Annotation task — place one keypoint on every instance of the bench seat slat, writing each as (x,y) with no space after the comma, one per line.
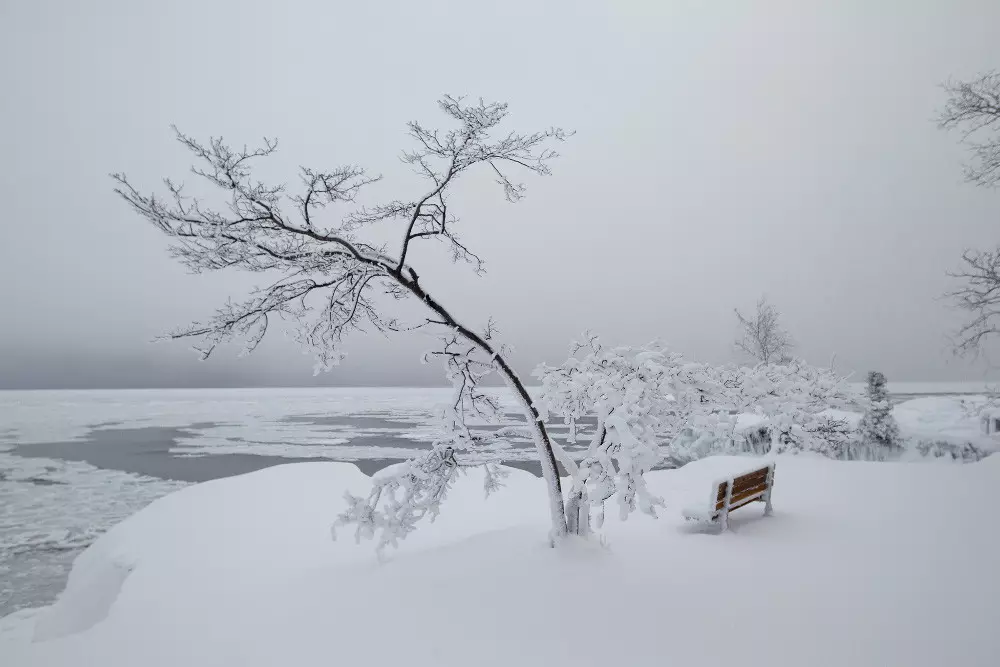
(746,493)
(749,480)
(747,501)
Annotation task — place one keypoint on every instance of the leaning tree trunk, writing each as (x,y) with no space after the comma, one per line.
(543,442)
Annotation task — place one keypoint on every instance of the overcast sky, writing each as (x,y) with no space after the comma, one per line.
(722,150)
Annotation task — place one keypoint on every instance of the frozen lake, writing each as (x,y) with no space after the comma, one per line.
(73,463)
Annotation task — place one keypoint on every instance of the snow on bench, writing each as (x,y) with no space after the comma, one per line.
(733,493)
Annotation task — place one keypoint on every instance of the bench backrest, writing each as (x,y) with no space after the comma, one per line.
(748,486)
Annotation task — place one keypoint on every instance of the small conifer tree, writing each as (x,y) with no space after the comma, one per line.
(878,428)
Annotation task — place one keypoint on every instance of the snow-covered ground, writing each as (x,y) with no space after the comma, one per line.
(52,508)
(861,564)
(938,388)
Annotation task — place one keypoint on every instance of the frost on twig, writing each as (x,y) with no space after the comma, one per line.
(404,494)
(408,492)
(625,388)
(762,337)
(326,276)
(973,108)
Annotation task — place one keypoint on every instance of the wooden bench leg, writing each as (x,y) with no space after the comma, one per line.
(767,494)
(724,514)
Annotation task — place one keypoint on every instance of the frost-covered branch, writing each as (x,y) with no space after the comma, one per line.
(762,337)
(979,295)
(631,391)
(973,108)
(443,157)
(324,276)
(404,494)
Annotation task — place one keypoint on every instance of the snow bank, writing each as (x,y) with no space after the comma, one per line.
(945,417)
(862,564)
(949,421)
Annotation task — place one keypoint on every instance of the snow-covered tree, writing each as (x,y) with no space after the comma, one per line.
(973,108)
(642,397)
(878,429)
(626,388)
(762,337)
(326,278)
(796,399)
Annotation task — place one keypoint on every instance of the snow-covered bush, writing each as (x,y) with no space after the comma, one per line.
(792,403)
(653,406)
(637,394)
(965,452)
(878,430)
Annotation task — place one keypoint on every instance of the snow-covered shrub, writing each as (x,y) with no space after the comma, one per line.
(792,401)
(754,441)
(878,430)
(965,452)
(830,436)
(638,394)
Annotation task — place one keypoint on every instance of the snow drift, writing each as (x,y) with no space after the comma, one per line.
(862,564)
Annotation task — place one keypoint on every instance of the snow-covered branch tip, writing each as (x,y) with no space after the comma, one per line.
(404,494)
(328,279)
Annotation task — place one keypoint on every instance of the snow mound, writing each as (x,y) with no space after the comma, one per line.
(277,516)
(862,564)
(950,420)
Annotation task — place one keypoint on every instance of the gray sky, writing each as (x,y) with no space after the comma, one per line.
(723,150)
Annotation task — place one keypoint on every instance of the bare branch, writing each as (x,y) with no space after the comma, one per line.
(761,335)
(979,294)
(973,108)
(443,157)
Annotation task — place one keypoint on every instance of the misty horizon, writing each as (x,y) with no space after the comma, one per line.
(720,154)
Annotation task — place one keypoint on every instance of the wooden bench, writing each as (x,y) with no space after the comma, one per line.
(734,493)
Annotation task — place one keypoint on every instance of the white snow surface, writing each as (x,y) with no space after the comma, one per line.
(861,564)
(947,418)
